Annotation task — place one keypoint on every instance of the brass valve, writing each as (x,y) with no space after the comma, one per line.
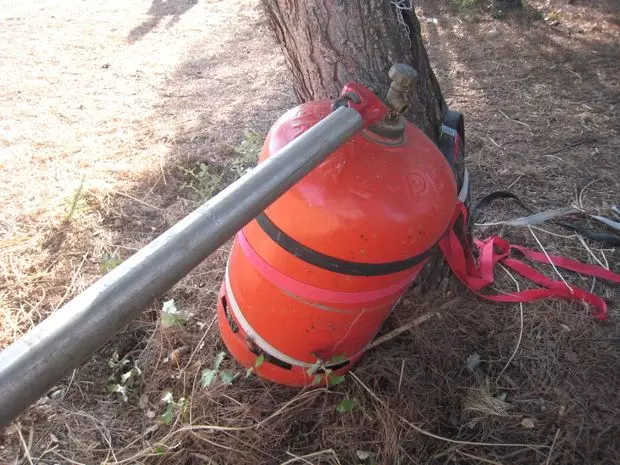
(403,79)
(392,127)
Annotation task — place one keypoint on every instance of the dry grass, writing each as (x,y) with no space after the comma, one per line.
(107,108)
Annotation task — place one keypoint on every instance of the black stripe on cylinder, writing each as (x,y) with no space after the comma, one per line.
(334,264)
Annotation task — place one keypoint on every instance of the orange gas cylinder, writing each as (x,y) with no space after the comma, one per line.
(313,278)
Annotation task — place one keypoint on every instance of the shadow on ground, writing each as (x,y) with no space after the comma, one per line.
(539,102)
(161,10)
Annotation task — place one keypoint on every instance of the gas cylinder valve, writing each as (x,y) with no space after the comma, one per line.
(403,79)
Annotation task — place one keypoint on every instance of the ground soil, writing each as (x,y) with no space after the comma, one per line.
(108,110)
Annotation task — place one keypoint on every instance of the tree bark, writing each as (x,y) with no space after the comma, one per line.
(330,42)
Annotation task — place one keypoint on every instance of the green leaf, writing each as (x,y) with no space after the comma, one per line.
(167,416)
(218,360)
(110,388)
(160,449)
(126,376)
(259,360)
(316,380)
(338,359)
(346,405)
(335,380)
(169,320)
(207,377)
(169,306)
(113,360)
(171,315)
(109,262)
(168,398)
(227,377)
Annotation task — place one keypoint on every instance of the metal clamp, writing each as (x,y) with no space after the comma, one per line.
(364,101)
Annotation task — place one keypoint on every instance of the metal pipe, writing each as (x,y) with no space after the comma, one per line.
(35,362)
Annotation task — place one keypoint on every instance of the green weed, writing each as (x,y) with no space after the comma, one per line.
(321,370)
(346,405)
(204,180)
(124,378)
(251,146)
(209,375)
(74,204)
(172,407)
(171,315)
(207,179)
(109,262)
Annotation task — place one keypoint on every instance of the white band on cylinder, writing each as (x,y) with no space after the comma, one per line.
(252,334)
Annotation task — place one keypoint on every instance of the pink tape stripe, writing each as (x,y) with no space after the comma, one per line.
(316,294)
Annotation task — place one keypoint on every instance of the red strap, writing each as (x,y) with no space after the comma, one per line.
(497,250)
(567,263)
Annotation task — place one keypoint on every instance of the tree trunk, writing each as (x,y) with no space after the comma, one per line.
(330,42)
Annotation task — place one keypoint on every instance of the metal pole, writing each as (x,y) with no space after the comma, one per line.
(34,363)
